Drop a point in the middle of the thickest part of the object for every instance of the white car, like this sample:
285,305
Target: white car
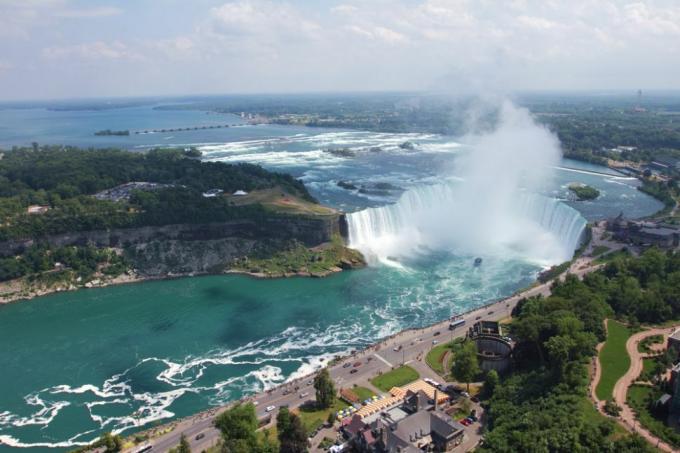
270,408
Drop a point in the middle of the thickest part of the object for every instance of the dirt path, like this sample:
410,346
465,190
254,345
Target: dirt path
627,418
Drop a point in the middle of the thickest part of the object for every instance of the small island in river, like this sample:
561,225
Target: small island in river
74,218
584,192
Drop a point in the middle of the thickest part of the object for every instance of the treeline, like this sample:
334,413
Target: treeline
64,180
84,261
543,406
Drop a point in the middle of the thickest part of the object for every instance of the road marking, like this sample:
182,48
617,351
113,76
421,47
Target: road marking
383,360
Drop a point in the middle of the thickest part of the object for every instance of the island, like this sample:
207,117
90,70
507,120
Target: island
75,218
107,132
584,192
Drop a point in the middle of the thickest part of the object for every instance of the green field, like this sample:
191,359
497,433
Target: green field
614,359
435,357
395,378
363,393
313,418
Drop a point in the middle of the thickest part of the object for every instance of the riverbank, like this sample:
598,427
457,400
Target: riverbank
317,262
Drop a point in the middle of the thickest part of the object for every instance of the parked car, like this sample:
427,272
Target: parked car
434,342
270,408
464,422
490,312
199,436
353,370
304,394
357,364
369,359
346,365
475,399
465,394
478,318
436,333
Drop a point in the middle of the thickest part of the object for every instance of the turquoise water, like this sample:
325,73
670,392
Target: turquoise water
120,358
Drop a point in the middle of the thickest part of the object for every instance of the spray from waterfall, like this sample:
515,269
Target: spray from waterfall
492,210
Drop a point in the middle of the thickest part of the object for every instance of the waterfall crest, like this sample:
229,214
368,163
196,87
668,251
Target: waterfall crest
529,226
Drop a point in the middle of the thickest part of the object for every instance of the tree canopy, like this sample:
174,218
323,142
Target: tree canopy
325,390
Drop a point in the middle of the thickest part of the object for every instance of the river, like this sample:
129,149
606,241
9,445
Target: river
120,358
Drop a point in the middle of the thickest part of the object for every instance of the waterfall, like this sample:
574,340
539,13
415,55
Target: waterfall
528,226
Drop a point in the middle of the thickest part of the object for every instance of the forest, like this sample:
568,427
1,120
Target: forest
63,180
542,406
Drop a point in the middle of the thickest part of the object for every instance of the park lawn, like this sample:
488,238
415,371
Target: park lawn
435,358
639,397
312,418
395,378
592,417
363,393
614,359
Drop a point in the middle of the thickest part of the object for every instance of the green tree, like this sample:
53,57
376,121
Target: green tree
291,433
238,426
183,446
465,366
112,443
325,390
491,382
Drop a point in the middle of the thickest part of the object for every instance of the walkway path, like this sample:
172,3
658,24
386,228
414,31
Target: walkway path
627,418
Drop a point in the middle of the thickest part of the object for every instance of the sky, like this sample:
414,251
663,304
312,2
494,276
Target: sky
102,48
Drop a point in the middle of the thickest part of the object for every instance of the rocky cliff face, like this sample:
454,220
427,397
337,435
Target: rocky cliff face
200,248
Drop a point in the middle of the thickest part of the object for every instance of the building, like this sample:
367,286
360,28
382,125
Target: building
212,193
675,388
123,192
644,233
411,423
37,209
494,351
674,341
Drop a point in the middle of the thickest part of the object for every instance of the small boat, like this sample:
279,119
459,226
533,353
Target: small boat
478,261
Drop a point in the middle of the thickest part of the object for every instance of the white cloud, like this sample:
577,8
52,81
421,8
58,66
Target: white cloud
98,50
102,11
247,18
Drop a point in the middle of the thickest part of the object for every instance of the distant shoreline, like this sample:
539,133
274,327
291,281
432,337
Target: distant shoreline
126,279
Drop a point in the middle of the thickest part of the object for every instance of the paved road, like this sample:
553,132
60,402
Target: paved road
627,417
405,347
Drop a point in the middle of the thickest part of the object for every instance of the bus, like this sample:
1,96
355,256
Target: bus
456,323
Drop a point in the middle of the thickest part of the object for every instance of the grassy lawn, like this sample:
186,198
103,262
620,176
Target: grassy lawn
593,417
312,417
363,393
639,398
435,358
613,358
600,249
395,378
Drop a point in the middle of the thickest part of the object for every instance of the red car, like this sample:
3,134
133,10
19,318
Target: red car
357,364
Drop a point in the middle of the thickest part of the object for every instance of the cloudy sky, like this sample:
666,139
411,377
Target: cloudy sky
89,48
